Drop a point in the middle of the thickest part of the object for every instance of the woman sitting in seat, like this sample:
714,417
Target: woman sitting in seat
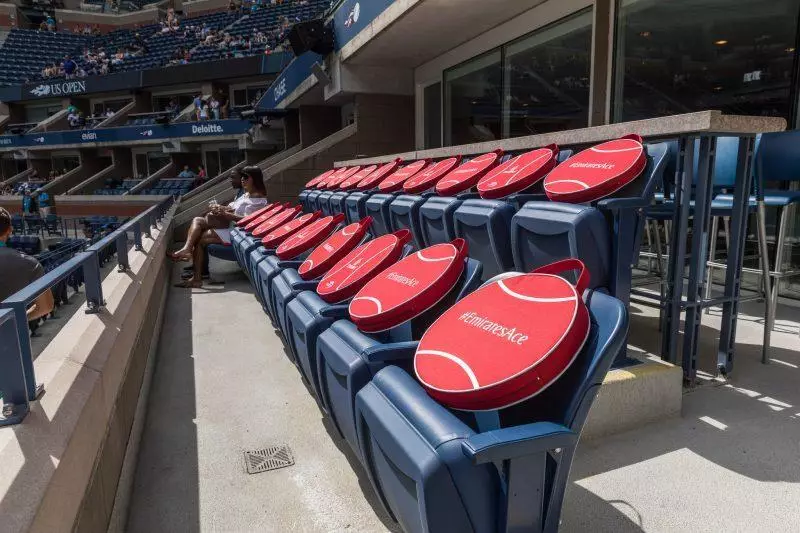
213,228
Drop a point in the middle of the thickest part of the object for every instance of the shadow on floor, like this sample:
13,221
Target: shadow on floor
169,447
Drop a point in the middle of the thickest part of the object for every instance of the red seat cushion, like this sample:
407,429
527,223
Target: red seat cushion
597,172
505,342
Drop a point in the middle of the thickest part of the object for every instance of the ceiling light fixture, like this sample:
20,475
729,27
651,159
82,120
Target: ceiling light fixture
721,42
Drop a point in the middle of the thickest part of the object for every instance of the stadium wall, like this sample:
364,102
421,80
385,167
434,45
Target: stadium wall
63,464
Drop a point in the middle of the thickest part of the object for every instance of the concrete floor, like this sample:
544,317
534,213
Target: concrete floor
223,384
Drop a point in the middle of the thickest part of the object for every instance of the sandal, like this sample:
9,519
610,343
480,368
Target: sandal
189,284
179,258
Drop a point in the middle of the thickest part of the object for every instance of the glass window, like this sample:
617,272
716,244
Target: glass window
432,95
472,96
681,56
546,82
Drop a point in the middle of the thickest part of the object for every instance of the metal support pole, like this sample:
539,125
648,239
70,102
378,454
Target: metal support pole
93,282
122,251
13,375
137,237
697,267
712,253
684,177
733,273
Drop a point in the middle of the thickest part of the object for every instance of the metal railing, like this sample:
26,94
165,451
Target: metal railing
17,379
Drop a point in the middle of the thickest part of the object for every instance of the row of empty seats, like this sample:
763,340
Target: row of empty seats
435,468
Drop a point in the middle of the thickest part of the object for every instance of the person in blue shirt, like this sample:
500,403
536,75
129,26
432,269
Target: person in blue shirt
69,67
29,204
43,199
187,173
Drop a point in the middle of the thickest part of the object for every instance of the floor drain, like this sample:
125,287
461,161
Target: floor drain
272,458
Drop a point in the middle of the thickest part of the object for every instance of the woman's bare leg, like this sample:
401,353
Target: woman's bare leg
196,230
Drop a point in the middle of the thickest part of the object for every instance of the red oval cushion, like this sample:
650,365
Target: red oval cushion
503,343
308,237
335,181
394,182
333,249
242,222
597,172
426,179
518,173
323,184
350,274
353,180
377,176
275,237
408,288
253,224
321,177
467,175
281,218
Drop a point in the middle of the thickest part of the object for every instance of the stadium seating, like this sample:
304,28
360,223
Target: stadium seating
439,470
27,51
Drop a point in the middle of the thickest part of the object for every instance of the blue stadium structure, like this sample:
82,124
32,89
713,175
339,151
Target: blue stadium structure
225,358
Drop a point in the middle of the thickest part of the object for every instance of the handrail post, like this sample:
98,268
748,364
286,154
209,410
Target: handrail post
13,381
147,224
20,381
122,251
93,282
137,237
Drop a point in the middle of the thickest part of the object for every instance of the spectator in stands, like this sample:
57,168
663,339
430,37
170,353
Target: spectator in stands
73,119
204,111
214,227
44,200
18,270
200,178
172,107
51,23
198,105
29,204
69,66
213,103
232,6
187,173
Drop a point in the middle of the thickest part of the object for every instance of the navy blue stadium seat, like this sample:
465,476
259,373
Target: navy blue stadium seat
439,470
355,206
346,358
545,232
377,207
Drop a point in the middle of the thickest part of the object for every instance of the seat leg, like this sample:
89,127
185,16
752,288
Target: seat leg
726,224
769,314
780,246
712,252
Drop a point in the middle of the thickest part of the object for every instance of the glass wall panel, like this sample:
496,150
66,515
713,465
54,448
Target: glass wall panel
473,98
737,56
433,115
547,78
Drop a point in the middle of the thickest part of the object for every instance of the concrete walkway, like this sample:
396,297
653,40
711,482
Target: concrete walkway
223,384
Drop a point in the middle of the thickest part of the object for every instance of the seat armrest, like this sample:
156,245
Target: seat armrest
609,204
335,311
289,264
518,441
396,351
306,285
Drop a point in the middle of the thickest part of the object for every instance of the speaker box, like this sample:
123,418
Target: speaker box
311,35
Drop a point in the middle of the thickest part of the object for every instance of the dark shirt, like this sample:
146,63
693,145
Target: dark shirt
69,66
17,271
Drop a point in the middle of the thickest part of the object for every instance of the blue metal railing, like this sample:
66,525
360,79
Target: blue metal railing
17,379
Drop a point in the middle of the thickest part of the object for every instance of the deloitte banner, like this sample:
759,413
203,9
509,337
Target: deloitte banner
126,134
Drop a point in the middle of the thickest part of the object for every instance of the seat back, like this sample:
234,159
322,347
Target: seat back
404,214
545,232
485,225
336,203
355,206
377,206
778,158
436,219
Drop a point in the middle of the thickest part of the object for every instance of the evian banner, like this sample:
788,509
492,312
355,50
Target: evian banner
61,88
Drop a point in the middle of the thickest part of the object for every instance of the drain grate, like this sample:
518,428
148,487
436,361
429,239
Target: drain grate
272,458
